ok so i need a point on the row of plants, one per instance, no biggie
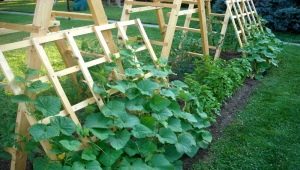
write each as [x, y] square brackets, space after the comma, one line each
[151, 122]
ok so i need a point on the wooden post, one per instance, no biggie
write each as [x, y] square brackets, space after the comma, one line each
[161, 20]
[100, 18]
[223, 31]
[41, 19]
[171, 28]
[203, 27]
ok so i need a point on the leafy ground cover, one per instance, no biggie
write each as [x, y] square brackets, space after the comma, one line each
[210, 79]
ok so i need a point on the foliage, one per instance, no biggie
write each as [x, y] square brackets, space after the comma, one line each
[149, 123]
[265, 134]
[214, 81]
[262, 50]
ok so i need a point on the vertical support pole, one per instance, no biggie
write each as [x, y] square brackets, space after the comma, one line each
[125, 13]
[187, 22]
[223, 31]
[100, 18]
[203, 26]
[208, 12]
[67, 57]
[161, 20]
[171, 28]
[41, 20]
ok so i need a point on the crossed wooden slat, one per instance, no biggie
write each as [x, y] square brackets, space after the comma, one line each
[53, 76]
[243, 16]
[168, 28]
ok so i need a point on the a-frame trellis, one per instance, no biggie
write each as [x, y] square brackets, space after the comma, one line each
[244, 17]
[168, 28]
[24, 118]
[242, 14]
[43, 22]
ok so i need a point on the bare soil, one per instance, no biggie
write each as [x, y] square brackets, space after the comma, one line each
[229, 109]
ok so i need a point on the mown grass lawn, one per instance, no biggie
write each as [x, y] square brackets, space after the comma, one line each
[112, 12]
[266, 134]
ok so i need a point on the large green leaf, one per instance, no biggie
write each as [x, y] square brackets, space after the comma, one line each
[99, 90]
[48, 105]
[97, 120]
[102, 134]
[110, 156]
[171, 153]
[64, 124]
[93, 165]
[142, 131]
[161, 162]
[145, 147]
[147, 87]
[21, 98]
[119, 140]
[179, 84]
[38, 86]
[206, 135]
[71, 145]
[41, 132]
[162, 116]
[113, 108]
[166, 135]
[175, 124]
[185, 115]
[159, 103]
[122, 86]
[185, 143]
[133, 72]
[88, 154]
[168, 93]
[126, 121]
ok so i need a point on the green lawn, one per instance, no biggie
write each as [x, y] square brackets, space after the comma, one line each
[112, 12]
[266, 134]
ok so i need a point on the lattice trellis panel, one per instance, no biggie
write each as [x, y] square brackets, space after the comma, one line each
[54, 76]
[168, 28]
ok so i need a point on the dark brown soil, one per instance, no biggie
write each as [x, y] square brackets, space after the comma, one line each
[232, 106]
[227, 55]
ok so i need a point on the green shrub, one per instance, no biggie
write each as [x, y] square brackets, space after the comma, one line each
[214, 81]
[262, 51]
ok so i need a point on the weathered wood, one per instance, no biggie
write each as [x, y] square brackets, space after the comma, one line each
[203, 27]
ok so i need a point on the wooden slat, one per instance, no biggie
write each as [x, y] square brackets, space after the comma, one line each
[156, 4]
[76, 15]
[19, 27]
[84, 69]
[188, 11]
[188, 29]
[142, 9]
[55, 81]
[146, 40]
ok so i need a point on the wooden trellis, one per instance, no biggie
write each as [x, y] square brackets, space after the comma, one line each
[243, 16]
[43, 22]
[168, 28]
[24, 118]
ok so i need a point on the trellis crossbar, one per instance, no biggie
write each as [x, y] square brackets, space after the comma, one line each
[53, 76]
